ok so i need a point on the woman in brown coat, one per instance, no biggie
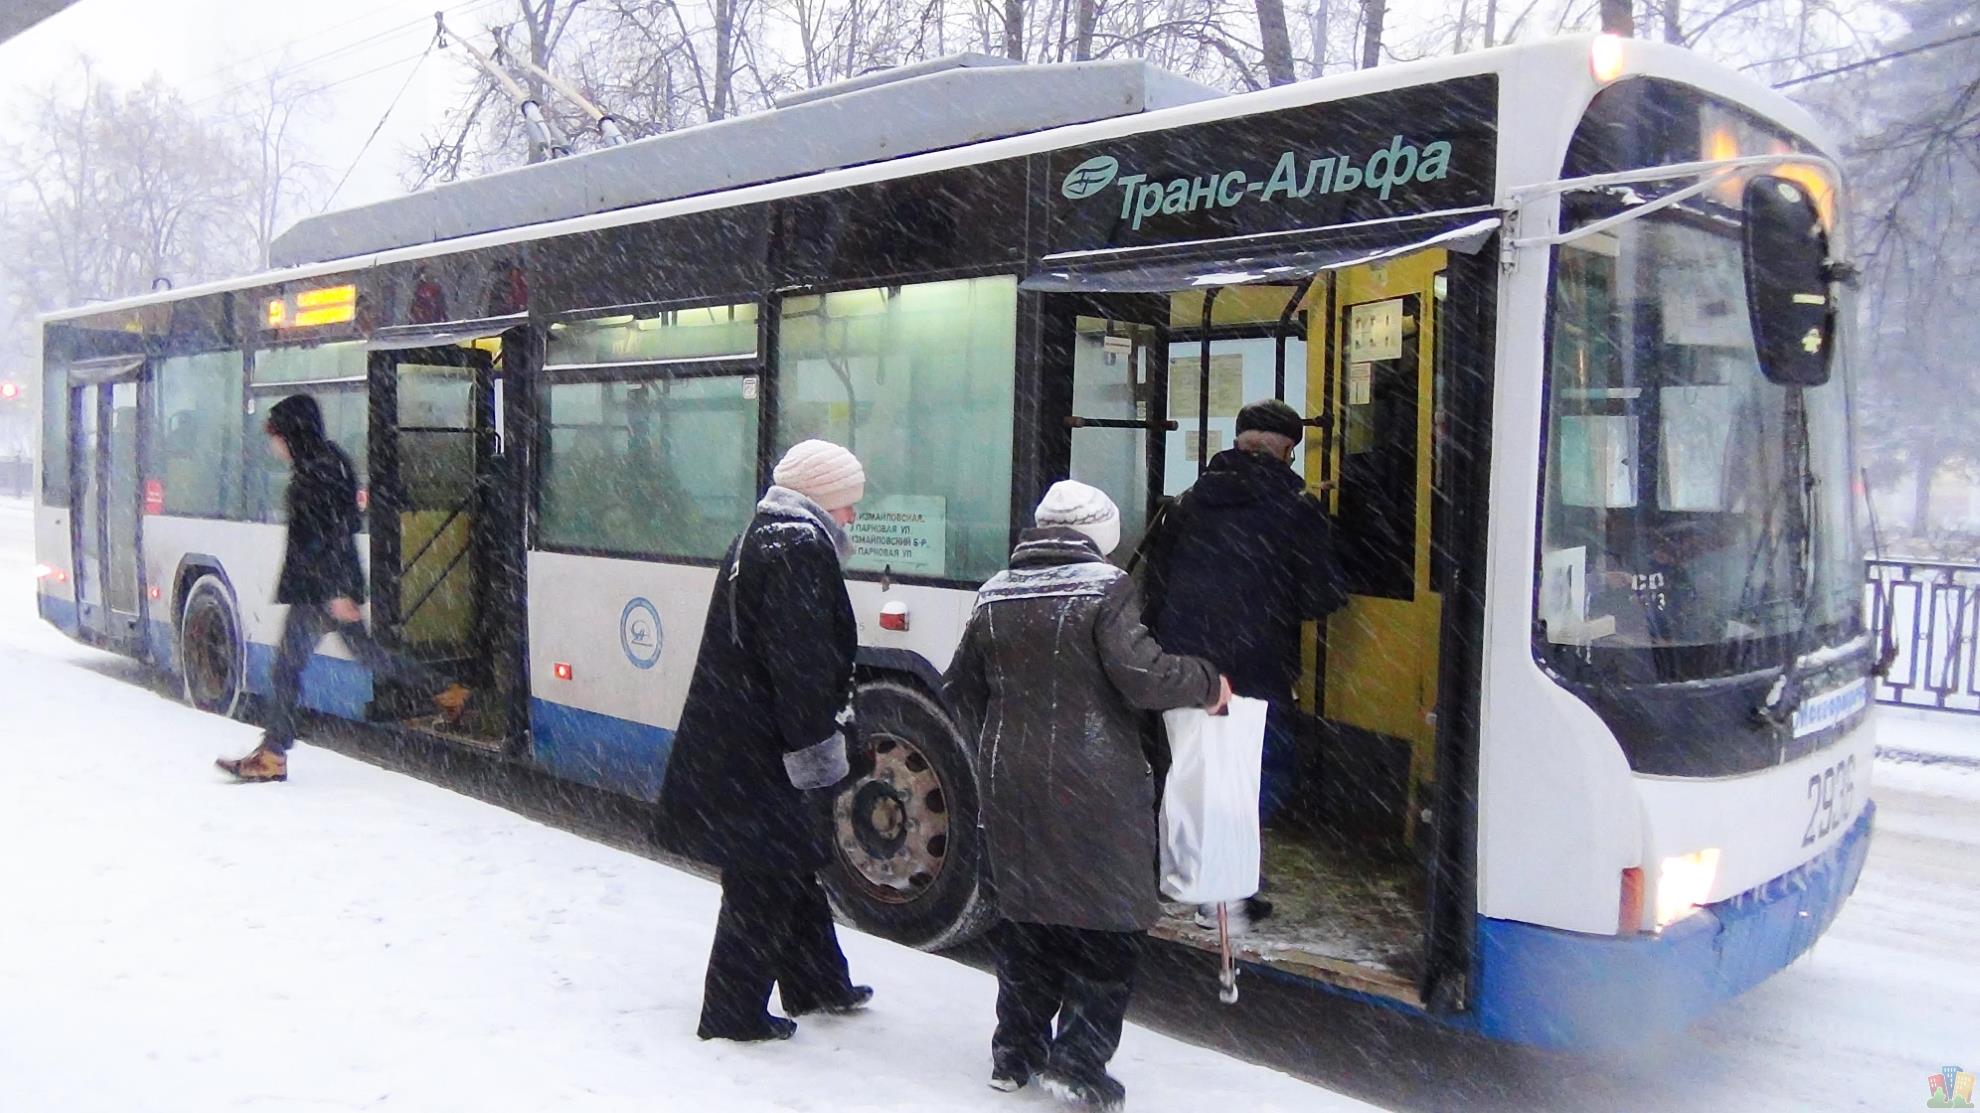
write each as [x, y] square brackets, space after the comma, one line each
[1052, 679]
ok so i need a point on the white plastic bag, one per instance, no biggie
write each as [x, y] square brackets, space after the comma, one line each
[1210, 804]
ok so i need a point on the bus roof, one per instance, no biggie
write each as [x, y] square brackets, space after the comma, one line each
[1545, 64]
[904, 111]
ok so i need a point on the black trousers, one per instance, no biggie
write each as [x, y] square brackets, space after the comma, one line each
[1084, 977]
[775, 929]
[306, 624]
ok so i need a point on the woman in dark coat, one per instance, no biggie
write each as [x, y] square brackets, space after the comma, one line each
[1052, 678]
[760, 737]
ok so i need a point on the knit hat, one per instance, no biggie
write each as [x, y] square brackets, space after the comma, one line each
[1271, 416]
[822, 472]
[1071, 504]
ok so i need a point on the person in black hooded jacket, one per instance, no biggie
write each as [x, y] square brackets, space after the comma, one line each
[1235, 566]
[321, 582]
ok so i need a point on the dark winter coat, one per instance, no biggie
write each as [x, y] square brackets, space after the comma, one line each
[320, 559]
[766, 706]
[1051, 679]
[1236, 565]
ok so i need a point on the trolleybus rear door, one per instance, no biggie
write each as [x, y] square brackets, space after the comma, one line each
[432, 443]
[104, 473]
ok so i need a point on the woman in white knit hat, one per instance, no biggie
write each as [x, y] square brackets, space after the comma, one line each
[1052, 678]
[761, 738]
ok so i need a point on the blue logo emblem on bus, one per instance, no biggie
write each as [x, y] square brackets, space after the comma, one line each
[639, 633]
[1090, 177]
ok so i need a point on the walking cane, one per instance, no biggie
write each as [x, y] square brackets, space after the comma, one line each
[1227, 990]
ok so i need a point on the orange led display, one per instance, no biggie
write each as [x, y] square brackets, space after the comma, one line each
[330, 305]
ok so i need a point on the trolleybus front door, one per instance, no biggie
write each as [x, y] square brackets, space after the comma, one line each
[104, 463]
[1380, 678]
[1117, 430]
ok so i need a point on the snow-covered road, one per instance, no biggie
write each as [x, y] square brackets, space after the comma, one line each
[360, 939]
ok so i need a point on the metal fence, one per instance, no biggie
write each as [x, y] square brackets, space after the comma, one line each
[1932, 610]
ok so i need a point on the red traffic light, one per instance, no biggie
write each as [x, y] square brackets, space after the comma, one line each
[9, 391]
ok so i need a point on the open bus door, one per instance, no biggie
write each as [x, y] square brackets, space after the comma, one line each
[103, 462]
[1116, 349]
[434, 562]
[1381, 668]
[1147, 388]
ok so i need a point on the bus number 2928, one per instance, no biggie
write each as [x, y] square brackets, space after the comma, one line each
[1830, 794]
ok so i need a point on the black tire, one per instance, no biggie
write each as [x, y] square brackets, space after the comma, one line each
[212, 650]
[908, 852]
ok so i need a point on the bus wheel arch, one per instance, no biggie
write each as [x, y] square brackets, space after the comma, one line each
[212, 644]
[907, 858]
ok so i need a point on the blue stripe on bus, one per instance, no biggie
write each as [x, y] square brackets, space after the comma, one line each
[1564, 989]
[161, 646]
[332, 685]
[60, 613]
[603, 751]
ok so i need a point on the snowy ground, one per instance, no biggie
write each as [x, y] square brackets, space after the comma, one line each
[361, 939]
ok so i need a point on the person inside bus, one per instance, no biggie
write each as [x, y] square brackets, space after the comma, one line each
[322, 583]
[1232, 569]
[1053, 676]
[761, 740]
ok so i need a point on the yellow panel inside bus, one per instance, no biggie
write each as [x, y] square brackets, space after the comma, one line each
[446, 618]
[1380, 674]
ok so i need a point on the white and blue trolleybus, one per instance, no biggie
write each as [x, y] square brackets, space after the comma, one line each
[1585, 753]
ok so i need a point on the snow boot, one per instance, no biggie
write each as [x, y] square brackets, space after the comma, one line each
[1244, 914]
[1103, 1092]
[773, 1028]
[856, 998]
[261, 764]
[452, 702]
[1009, 1076]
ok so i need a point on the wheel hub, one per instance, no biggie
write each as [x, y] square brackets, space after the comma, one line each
[892, 827]
[209, 661]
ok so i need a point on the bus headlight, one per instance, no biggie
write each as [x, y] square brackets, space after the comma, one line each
[1684, 882]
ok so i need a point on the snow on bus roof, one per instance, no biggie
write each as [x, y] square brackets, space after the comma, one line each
[904, 111]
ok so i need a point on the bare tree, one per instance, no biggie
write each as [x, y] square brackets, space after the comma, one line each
[1083, 25]
[1916, 122]
[1373, 14]
[1275, 43]
[280, 178]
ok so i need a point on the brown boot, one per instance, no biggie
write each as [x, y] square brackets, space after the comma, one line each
[263, 764]
[452, 702]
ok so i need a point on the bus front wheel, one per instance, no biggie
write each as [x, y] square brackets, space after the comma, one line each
[908, 854]
[212, 652]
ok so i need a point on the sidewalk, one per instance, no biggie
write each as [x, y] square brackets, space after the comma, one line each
[357, 939]
[1923, 737]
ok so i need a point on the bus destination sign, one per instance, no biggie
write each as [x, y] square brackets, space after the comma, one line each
[1403, 153]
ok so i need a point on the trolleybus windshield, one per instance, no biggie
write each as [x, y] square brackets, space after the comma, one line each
[1672, 544]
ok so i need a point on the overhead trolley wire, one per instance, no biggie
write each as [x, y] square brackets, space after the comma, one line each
[380, 126]
[1881, 58]
[288, 69]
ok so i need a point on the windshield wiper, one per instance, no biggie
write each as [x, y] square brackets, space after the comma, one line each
[1784, 695]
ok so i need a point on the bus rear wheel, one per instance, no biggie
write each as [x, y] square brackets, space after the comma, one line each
[212, 652]
[907, 852]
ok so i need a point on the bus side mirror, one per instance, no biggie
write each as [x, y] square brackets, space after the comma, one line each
[1787, 282]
